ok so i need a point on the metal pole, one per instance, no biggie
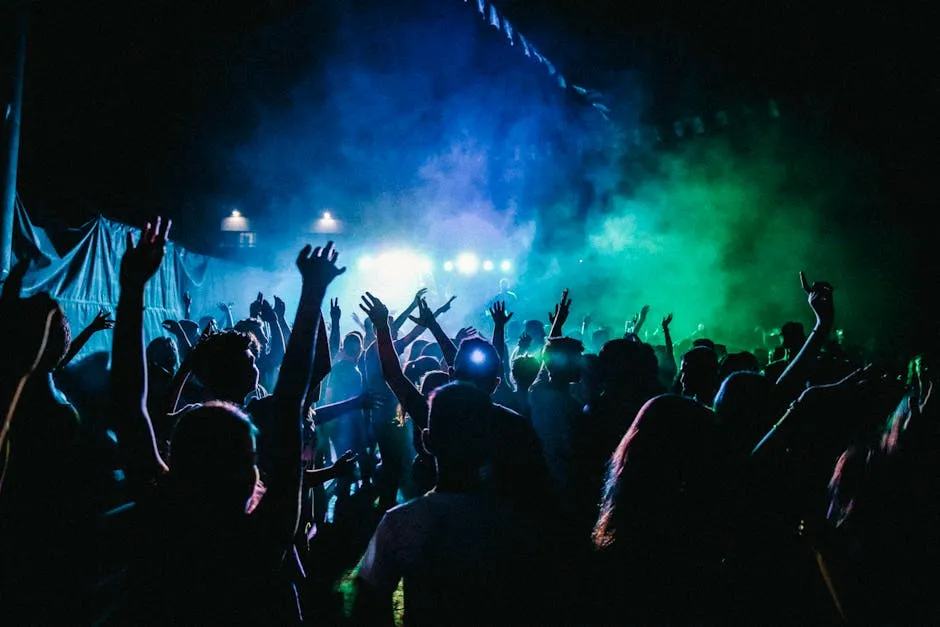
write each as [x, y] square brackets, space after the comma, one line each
[11, 136]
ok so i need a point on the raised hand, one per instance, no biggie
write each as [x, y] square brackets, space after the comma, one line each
[141, 261]
[187, 299]
[644, 311]
[666, 320]
[14, 281]
[819, 295]
[561, 310]
[280, 309]
[425, 316]
[345, 465]
[498, 312]
[225, 307]
[464, 333]
[419, 295]
[335, 311]
[318, 265]
[266, 311]
[376, 310]
[446, 306]
[254, 310]
[525, 341]
[102, 321]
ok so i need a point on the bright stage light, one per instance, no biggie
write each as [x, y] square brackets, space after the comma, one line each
[366, 263]
[505, 266]
[487, 265]
[467, 263]
[448, 266]
[327, 217]
[236, 213]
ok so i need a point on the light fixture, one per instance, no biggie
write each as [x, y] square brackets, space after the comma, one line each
[487, 265]
[467, 263]
[236, 213]
[505, 266]
[448, 266]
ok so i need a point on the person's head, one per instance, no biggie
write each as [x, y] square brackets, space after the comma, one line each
[416, 369]
[477, 362]
[524, 370]
[738, 362]
[212, 457]
[562, 358]
[698, 374]
[416, 347]
[658, 477]
[192, 330]
[458, 431]
[536, 330]
[255, 328]
[225, 364]
[598, 338]
[627, 367]
[432, 380]
[433, 349]
[352, 344]
[745, 409]
[163, 353]
[205, 321]
[27, 334]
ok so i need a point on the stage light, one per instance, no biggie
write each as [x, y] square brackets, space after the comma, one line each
[448, 266]
[366, 263]
[327, 217]
[467, 263]
[487, 265]
[236, 213]
[505, 266]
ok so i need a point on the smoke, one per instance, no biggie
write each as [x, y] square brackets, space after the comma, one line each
[423, 130]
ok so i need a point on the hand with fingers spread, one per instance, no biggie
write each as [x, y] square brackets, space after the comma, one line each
[498, 313]
[13, 284]
[335, 312]
[419, 295]
[376, 310]
[465, 333]
[142, 260]
[225, 307]
[525, 341]
[254, 310]
[819, 296]
[102, 322]
[425, 317]
[318, 265]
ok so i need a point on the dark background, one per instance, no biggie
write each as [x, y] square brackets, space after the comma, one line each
[128, 104]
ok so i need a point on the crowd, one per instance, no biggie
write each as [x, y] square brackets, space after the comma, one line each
[277, 470]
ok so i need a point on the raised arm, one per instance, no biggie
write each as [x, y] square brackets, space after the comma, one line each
[405, 391]
[402, 343]
[101, 322]
[793, 379]
[500, 318]
[640, 319]
[667, 338]
[427, 319]
[128, 366]
[400, 320]
[335, 314]
[226, 310]
[187, 306]
[283, 482]
[558, 318]
[182, 338]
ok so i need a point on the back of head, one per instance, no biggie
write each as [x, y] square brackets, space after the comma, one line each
[416, 347]
[459, 420]
[524, 370]
[477, 362]
[625, 366]
[223, 364]
[255, 328]
[536, 330]
[562, 358]
[738, 362]
[792, 335]
[745, 409]
[660, 470]
[417, 368]
[433, 349]
[163, 353]
[432, 380]
[352, 344]
[212, 456]
[27, 326]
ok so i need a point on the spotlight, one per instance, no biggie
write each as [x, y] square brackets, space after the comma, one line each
[487, 265]
[467, 263]
[327, 217]
[505, 266]
[366, 263]
[448, 266]
[236, 213]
